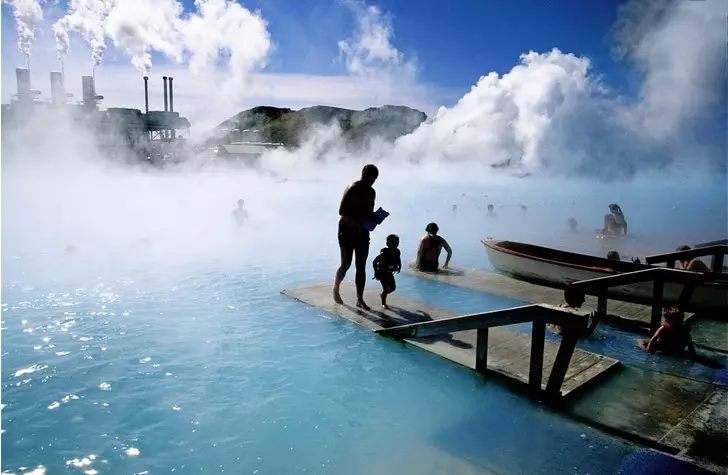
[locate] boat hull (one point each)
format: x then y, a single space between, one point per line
710 296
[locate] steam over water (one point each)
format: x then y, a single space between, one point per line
160 339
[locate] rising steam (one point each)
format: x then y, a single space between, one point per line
28 16
88 18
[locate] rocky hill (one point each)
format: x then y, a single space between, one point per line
289 127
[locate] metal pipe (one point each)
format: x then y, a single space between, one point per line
146 94
171 95
164 78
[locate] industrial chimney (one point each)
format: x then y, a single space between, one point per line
88 88
146 94
23 77
171 96
58 94
166 109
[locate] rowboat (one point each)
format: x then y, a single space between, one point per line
557 268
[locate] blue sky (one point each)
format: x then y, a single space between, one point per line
455 43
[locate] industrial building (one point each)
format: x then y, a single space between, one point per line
154 136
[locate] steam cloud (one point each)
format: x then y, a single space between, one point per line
28 16
218 30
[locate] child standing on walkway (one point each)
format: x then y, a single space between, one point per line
386 264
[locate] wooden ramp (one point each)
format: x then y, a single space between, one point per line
508 350
508 287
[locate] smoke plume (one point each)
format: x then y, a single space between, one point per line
88 18
28 16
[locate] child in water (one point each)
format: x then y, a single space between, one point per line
673 335
386 264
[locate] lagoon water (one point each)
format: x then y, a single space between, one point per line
160 342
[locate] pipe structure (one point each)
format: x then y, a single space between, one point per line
171 95
146 94
166 109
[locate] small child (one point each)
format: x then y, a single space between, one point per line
386 264
673 336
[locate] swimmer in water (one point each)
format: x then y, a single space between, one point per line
428 253
491 209
614 256
239 214
386 264
573 300
524 208
356 208
673 336
71 249
454 207
695 265
573 225
614 223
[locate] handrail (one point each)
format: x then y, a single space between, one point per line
665 274
494 318
571 323
718 251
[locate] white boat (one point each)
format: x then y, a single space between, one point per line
556 268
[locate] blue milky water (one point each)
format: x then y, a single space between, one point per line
124 362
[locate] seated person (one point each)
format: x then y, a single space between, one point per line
428 252
614 256
695 265
614 223
673 336
574 299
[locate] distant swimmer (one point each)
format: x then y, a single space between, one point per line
524 208
71 249
239 214
428 253
614 223
614 256
386 264
695 265
454 207
573 225
491 209
356 208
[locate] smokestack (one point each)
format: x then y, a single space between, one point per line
146 94
164 78
171 96
23 77
58 95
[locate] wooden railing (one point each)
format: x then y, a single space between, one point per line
572 325
717 251
658 276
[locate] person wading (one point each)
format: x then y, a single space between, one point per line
357 207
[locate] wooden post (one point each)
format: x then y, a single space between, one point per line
656 319
602 302
481 351
561 363
685 295
718 263
535 367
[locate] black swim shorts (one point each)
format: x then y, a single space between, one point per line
354 238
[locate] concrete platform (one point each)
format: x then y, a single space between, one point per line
504 286
508 350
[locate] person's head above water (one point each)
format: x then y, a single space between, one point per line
674 315
432 228
491 207
393 241
574 297
241 202
369 174
615 209
614 256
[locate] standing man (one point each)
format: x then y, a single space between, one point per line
357 207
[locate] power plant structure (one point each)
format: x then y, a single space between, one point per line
151 135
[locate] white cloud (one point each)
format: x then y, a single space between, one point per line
28 16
